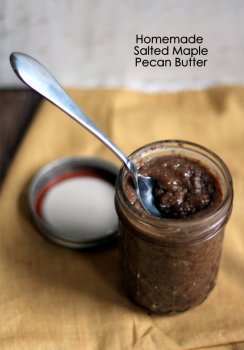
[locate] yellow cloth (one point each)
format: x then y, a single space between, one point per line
56 298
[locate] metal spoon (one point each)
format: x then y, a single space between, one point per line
36 76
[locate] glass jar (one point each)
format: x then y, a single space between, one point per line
171 265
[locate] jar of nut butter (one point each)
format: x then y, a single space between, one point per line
170 264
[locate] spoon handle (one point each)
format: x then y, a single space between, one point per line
36 76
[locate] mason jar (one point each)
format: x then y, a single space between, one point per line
171 265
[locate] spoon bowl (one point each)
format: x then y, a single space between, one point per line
37 77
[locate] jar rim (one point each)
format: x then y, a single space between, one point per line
194 220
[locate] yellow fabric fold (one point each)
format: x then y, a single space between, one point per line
56 298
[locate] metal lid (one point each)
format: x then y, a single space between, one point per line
72 201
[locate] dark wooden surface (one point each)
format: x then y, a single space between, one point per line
17 108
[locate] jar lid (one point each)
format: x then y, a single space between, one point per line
72 201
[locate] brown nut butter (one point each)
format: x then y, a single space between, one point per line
170 264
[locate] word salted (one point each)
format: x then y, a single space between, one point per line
190 62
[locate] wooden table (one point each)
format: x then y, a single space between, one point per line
17 108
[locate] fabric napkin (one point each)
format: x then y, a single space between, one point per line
56 298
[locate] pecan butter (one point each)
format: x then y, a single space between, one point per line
170 264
